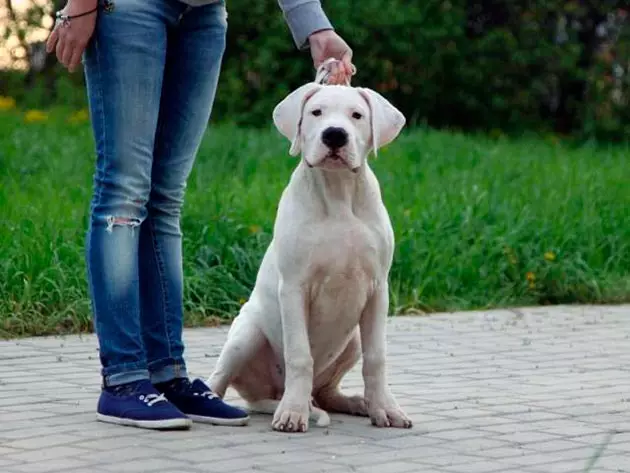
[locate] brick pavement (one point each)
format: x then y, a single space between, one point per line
513 391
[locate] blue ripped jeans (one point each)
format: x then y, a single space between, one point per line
151 69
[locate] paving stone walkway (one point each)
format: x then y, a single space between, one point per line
514 391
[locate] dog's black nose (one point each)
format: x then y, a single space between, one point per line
335 137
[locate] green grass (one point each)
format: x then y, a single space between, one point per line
472 217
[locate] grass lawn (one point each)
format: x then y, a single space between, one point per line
479 223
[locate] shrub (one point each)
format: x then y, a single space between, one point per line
443 63
490 65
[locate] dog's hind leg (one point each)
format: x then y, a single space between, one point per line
327 393
243 341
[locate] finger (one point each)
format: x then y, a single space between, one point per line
61 45
346 60
337 73
344 74
52 40
68 52
75 60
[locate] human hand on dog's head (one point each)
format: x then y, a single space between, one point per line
327 44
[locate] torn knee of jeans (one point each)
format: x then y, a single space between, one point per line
130 222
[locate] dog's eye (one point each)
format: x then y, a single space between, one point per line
357 116
316 113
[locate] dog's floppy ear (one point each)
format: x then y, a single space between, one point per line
287 116
387 120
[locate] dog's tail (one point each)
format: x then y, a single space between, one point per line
269 406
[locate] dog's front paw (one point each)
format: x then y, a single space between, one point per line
388 414
291 417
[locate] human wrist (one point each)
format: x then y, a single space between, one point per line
306 19
317 34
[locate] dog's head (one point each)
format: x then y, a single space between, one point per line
335 127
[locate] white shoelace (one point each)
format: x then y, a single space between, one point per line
208 394
151 399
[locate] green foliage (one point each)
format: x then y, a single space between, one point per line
478 222
607 115
422 56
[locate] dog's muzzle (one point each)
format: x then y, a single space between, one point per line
335 137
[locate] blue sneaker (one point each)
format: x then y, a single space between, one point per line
198 402
139 404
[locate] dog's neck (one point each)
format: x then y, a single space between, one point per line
337 193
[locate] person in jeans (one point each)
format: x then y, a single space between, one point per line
151 70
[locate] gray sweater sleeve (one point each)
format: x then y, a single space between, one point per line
304 17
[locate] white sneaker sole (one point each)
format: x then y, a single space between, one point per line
237 422
166 424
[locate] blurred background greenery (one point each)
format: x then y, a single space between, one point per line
481 219
492 65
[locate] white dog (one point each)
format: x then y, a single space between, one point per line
321 295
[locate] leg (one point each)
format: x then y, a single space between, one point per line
270 406
382 407
244 342
293 412
124 65
327 393
196 43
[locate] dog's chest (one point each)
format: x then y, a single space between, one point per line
349 262
347 251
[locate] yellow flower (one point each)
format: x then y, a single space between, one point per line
531 280
242 301
79 116
255 229
550 256
33 116
7 103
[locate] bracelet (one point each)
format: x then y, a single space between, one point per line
65 19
